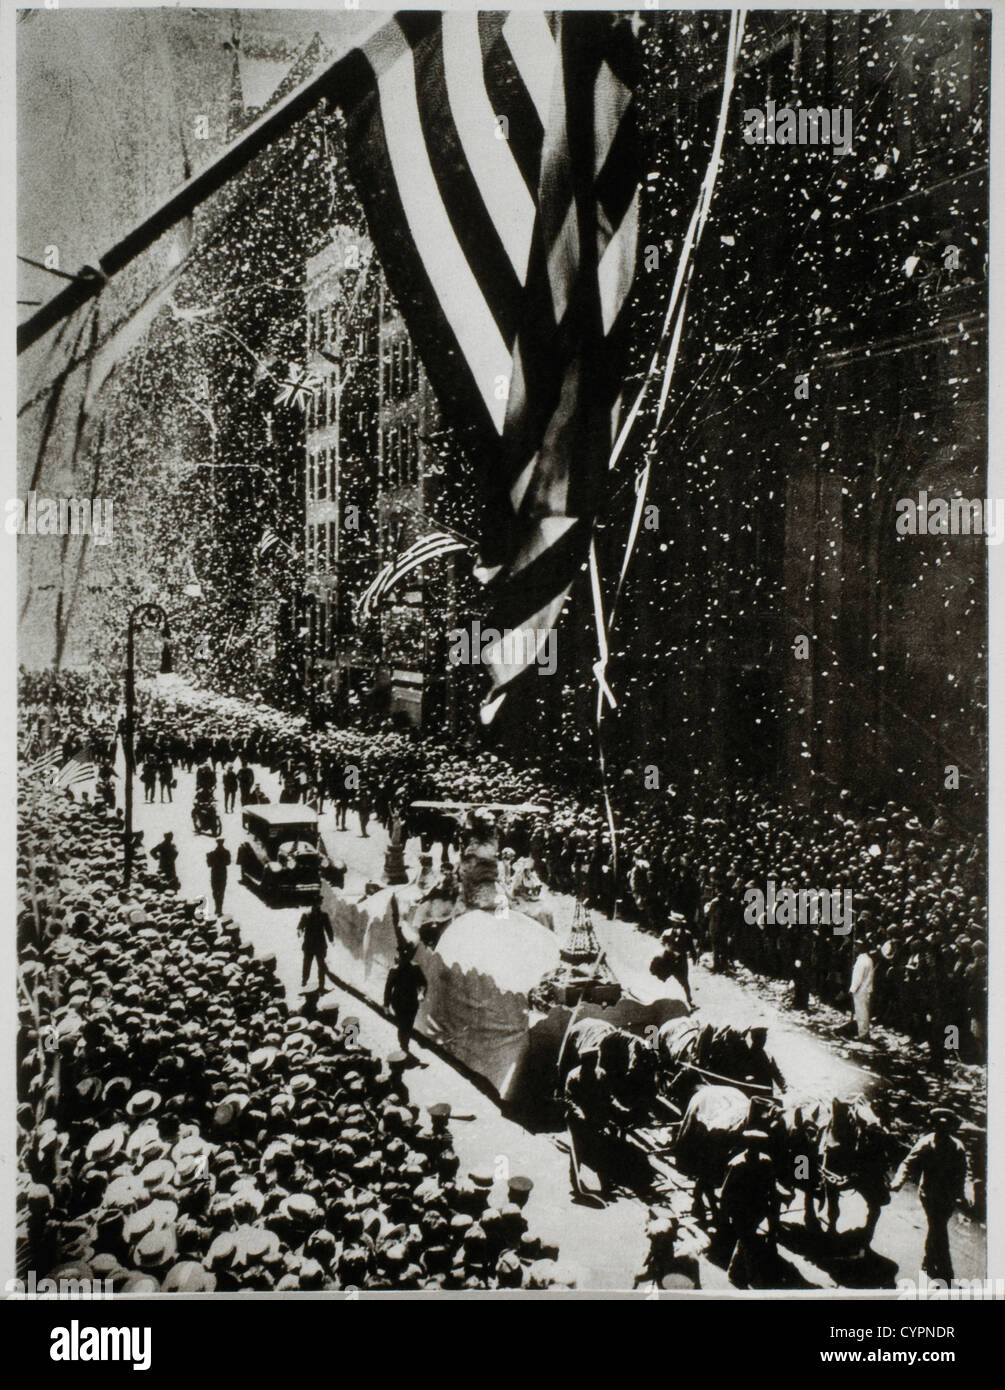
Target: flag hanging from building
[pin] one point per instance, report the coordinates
(299, 387)
(497, 159)
(424, 550)
(269, 540)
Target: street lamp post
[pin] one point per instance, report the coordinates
(143, 615)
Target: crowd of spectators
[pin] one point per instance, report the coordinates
(179, 1129)
(918, 888)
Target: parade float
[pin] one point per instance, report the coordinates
(501, 987)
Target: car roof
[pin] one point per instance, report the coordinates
(284, 813)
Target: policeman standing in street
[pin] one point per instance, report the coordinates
(938, 1163)
(218, 860)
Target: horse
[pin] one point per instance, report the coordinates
(727, 1054)
(608, 1075)
(854, 1156)
(609, 1081)
(710, 1134)
(433, 827)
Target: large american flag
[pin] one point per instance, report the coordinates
(497, 160)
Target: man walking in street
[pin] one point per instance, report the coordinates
(749, 1196)
(337, 793)
(218, 860)
(315, 933)
(230, 785)
(149, 778)
(405, 987)
(165, 774)
(938, 1162)
(672, 962)
(246, 782)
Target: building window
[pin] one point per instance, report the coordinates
(413, 370)
(412, 466)
(311, 477)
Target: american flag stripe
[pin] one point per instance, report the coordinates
(507, 199)
(531, 41)
(423, 551)
(45, 763)
(429, 226)
(512, 259)
(482, 236)
(519, 647)
(510, 97)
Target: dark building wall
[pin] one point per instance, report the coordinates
(775, 513)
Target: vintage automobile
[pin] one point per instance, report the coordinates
(282, 856)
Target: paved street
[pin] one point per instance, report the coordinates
(605, 1248)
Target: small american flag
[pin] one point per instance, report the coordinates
(77, 770)
(270, 539)
(427, 548)
(46, 766)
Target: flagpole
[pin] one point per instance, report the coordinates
(437, 525)
(187, 198)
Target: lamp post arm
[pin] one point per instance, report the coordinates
(145, 614)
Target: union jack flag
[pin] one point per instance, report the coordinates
(298, 388)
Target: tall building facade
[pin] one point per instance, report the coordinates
(775, 625)
(369, 467)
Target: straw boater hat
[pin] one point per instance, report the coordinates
(143, 1103)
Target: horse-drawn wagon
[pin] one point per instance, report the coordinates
(501, 986)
